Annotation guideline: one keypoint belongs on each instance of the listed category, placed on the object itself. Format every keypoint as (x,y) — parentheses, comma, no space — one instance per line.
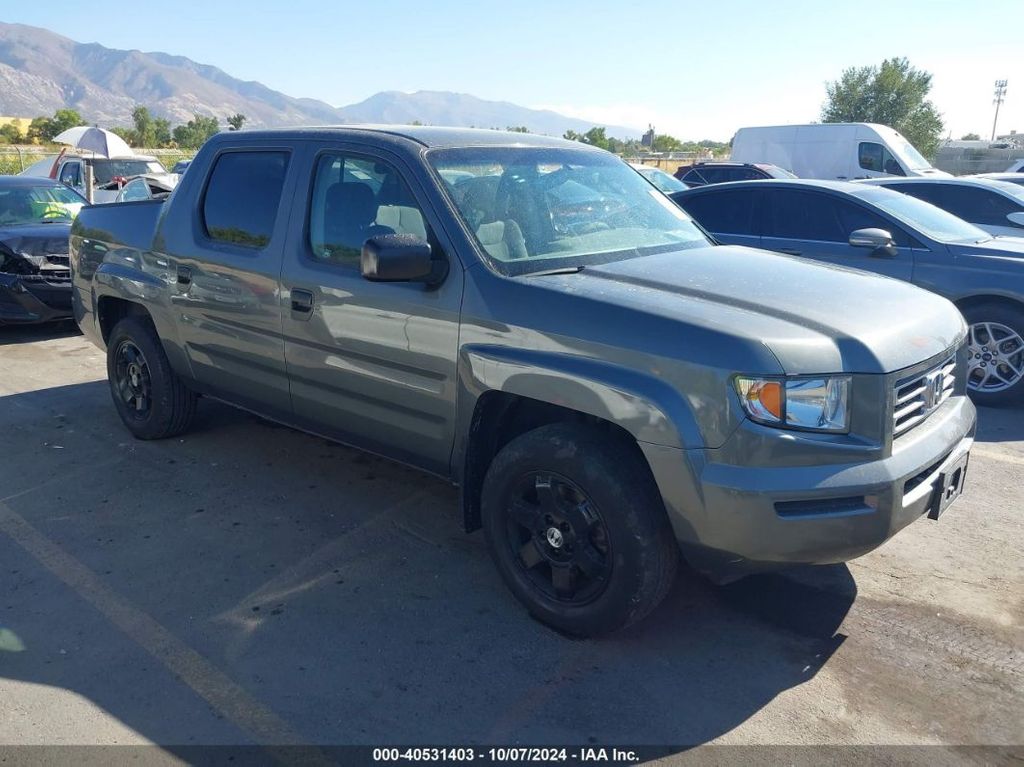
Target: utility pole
(1000,95)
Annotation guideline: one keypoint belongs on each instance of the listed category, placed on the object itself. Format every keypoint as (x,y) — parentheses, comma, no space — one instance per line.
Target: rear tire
(577,529)
(995,354)
(150,398)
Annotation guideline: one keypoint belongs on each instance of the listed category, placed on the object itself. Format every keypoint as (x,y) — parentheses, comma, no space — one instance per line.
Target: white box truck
(832,150)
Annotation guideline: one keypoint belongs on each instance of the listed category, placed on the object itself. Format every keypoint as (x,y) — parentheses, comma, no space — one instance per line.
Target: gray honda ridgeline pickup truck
(532,320)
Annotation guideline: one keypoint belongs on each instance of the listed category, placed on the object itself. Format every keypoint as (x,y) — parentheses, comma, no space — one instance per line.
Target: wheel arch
(966,303)
(508,392)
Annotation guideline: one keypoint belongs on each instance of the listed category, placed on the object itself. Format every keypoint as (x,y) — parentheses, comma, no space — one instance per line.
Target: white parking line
(208,682)
(996,455)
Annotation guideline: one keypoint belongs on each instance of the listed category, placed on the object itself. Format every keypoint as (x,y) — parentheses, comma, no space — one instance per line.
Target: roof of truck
(427,135)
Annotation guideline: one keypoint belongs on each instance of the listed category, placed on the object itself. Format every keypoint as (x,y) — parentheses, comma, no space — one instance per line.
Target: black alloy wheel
(558,538)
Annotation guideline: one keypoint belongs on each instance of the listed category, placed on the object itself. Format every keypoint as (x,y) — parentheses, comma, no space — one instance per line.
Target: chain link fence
(15,159)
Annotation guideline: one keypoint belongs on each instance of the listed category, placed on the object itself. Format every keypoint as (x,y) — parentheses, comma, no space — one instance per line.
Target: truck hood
(813,317)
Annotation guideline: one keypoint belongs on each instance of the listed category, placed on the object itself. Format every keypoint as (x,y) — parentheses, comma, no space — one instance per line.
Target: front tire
(578,529)
(150,398)
(995,354)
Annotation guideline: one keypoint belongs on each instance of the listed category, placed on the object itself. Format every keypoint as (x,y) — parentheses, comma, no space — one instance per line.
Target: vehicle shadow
(21,334)
(200,589)
(1004,424)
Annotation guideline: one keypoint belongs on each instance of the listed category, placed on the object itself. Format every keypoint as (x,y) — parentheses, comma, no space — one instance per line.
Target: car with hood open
(530,319)
(35,221)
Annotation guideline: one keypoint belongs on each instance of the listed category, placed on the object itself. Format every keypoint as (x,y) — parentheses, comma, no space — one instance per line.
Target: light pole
(1000,95)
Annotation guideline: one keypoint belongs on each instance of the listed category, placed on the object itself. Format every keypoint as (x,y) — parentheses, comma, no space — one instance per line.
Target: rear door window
(242,197)
(724,212)
(746,174)
(716,175)
(802,215)
(694,178)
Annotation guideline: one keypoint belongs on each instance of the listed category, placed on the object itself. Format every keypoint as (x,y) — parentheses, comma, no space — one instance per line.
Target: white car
(109,175)
(995,206)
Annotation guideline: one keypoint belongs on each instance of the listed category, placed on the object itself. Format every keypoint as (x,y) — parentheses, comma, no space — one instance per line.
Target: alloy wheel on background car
(995,357)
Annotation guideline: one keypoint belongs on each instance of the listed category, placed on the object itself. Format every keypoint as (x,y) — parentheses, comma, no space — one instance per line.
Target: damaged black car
(35,276)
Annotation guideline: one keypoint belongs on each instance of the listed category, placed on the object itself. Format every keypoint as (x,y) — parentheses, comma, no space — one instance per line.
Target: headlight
(814,404)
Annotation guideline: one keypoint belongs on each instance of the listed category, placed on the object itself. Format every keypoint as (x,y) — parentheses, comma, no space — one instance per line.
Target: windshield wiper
(559,270)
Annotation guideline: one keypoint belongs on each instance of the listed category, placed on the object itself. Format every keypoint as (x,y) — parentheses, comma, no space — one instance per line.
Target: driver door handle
(302,304)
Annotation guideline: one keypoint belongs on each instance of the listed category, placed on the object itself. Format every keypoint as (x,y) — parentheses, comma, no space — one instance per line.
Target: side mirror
(397,258)
(1017,217)
(879,241)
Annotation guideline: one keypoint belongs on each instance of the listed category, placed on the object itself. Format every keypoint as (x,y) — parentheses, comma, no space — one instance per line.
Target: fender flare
(647,407)
(120,281)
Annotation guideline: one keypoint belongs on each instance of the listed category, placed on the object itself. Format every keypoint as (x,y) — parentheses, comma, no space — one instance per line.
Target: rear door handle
(789,251)
(302,304)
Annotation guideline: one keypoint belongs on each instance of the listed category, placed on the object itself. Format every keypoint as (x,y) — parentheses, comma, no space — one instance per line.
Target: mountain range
(41,71)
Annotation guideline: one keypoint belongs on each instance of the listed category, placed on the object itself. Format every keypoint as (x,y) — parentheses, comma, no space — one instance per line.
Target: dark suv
(703,173)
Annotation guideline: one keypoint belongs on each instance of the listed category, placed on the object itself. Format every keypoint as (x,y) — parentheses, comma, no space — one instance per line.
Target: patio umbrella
(97,140)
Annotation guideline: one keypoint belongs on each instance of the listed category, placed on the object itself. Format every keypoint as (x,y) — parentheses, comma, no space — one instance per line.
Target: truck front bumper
(731,520)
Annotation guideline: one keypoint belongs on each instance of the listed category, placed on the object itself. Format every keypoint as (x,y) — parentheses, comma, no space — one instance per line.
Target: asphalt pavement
(249,584)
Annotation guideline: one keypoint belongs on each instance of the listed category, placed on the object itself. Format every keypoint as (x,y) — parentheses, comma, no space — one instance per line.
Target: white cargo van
(832,150)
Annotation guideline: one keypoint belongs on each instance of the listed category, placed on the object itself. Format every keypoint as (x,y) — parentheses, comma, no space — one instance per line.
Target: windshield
(662,180)
(925,217)
(535,209)
(105,171)
(38,204)
(911,156)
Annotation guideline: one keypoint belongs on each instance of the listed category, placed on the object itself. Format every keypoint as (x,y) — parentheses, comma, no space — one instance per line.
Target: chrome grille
(918,396)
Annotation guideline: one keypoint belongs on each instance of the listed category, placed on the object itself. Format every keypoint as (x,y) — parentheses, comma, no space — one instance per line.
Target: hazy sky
(696,70)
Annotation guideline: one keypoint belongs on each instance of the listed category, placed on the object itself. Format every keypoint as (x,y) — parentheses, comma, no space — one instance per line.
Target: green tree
(572,135)
(64,119)
(518,129)
(236,121)
(126,133)
(38,129)
(665,143)
(596,137)
(161,132)
(893,94)
(11,134)
(970,137)
(195,132)
(43,129)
